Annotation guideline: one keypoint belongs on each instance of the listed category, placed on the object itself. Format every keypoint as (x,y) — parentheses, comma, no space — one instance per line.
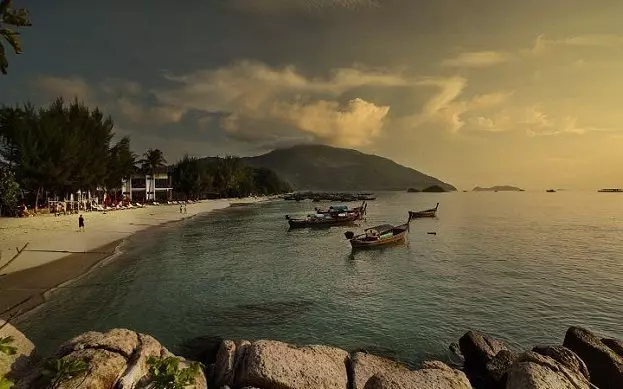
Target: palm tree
(11,17)
(152,160)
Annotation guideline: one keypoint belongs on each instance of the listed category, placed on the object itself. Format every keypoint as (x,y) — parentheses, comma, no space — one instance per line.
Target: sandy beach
(54,251)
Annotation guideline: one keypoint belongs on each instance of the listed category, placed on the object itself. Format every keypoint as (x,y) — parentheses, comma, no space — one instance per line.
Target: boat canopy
(381,229)
(339,207)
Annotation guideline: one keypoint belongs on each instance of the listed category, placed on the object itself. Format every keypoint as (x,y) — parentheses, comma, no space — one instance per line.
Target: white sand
(48,232)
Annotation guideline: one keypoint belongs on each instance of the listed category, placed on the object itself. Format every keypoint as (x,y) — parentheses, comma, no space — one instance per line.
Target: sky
(474,92)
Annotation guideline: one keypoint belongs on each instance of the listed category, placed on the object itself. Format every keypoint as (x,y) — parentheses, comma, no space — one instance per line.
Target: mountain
(498,188)
(317,167)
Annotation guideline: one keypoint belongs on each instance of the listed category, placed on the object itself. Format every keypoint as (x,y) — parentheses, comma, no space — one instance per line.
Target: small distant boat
(614,190)
(422,214)
(378,236)
(551,191)
(338,215)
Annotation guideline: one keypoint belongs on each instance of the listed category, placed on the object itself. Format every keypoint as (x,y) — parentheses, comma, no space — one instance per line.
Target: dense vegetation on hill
(317,167)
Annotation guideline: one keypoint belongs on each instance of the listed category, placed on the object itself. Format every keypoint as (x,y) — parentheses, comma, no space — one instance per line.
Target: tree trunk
(37,199)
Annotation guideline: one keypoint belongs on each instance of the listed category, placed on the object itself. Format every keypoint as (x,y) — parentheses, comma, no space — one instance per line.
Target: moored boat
(320,220)
(378,236)
(425,213)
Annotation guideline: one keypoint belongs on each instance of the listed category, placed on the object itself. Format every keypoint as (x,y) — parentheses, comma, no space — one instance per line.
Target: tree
(9,191)
(191,178)
(11,17)
(62,148)
(153,159)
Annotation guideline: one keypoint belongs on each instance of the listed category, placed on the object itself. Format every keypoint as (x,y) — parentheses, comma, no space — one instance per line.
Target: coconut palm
(15,18)
(153,159)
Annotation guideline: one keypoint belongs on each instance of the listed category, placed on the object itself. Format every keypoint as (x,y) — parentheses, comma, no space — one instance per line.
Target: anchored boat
(422,214)
(378,236)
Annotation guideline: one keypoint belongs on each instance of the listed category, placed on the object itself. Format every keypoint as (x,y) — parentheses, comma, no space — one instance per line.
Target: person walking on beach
(181,208)
(185,210)
(80,223)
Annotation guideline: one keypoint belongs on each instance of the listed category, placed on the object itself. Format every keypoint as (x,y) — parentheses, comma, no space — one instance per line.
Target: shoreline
(25,289)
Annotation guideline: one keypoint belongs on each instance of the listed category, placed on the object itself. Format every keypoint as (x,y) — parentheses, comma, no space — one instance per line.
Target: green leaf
(13,38)
(5,383)
(5,346)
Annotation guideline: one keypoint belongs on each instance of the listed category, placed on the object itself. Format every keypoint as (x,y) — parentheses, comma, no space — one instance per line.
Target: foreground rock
(566,357)
(479,351)
(364,366)
(13,366)
(435,375)
(115,359)
(604,365)
(535,371)
(275,365)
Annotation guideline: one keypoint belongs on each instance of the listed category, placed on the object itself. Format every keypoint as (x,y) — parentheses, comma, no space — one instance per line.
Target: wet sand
(24,290)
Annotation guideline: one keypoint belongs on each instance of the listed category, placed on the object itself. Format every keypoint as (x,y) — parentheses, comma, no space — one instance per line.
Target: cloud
(119,97)
(260,101)
(543,45)
(300,6)
(69,88)
(477,59)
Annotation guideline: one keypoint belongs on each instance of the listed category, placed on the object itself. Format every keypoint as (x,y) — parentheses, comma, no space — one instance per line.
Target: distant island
(325,168)
(498,188)
(434,189)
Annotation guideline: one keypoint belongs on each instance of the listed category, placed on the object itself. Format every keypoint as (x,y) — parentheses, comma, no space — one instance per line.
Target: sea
(520,266)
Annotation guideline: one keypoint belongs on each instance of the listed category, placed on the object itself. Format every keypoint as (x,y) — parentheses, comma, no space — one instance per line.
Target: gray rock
(497,368)
(104,368)
(536,371)
(478,350)
(615,345)
(117,340)
(439,377)
(228,360)
(16,365)
(604,365)
(276,365)
(565,356)
(365,366)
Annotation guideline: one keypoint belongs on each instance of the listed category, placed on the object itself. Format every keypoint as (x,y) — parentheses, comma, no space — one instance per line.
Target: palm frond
(16,17)
(13,38)
(4,64)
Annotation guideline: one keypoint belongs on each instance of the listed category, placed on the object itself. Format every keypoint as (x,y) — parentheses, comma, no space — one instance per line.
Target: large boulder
(478,350)
(18,363)
(566,357)
(497,368)
(604,365)
(535,371)
(229,359)
(436,376)
(615,345)
(114,359)
(364,366)
(275,365)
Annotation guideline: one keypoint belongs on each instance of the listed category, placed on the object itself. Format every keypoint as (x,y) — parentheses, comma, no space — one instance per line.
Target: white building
(140,187)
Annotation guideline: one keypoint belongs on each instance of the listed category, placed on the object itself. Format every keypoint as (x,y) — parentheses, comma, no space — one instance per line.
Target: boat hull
(422,214)
(359,242)
(303,223)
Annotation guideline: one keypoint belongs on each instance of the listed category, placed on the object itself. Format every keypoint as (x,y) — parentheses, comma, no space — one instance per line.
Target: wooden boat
(378,236)
(337,209)
(551,191)
(323,220)
(422,214)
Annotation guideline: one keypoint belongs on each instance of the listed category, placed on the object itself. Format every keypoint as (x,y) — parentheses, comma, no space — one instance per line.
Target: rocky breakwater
(123,359)
(583,361)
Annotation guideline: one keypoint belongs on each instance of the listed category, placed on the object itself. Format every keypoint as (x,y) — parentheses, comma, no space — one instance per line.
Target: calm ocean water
(520,266)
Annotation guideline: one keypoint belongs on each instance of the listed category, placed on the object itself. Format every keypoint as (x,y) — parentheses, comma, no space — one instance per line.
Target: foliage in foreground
(11,17)
(6,348)
(57,371)
(167,374)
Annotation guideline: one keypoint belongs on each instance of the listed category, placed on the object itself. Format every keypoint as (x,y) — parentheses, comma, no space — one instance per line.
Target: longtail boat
(378,236)
(336,209)
(320,220)
(421,214)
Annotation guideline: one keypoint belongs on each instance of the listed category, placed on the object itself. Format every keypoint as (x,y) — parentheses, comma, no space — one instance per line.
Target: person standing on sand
(181,207)
(80,223)
(185,210)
